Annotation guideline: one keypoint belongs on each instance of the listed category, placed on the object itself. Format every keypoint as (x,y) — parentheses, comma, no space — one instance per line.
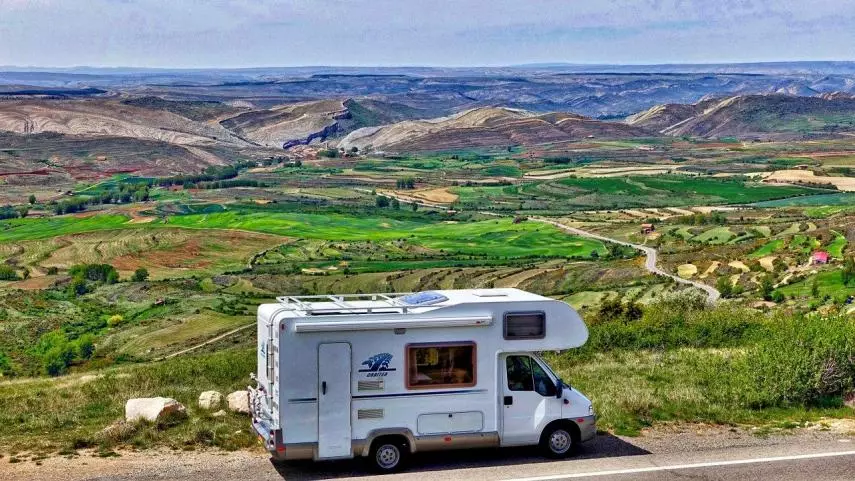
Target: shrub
(140,275)
(801,360)
(7,273)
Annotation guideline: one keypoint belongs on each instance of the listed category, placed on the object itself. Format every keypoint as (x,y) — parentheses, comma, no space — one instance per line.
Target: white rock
(152,408)
(239,402)
(210,400)
(219,414)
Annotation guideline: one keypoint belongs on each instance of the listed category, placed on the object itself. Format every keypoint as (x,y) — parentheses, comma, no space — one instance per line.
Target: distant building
(820,257)
(648,228)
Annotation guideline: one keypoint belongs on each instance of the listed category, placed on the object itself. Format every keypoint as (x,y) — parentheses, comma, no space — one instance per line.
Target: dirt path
(713,294)
(209,341)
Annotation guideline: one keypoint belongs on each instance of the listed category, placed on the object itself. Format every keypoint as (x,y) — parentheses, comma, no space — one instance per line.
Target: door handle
(324,388)
(509,400)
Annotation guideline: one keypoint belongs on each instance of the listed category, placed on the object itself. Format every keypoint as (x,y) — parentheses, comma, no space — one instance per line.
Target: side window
(525,325)
(519,373)
(441,365)
(542,383)
(525,374)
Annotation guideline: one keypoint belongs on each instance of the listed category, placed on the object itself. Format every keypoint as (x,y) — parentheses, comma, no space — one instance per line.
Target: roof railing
(344,303)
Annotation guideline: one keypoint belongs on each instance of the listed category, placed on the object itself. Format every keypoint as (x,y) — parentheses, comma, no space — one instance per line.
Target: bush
(7,273)
(680,320)
(140,275)
(802,360)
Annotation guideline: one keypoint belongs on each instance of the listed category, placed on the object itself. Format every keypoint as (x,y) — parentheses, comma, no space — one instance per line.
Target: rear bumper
(587,427)
(261,422)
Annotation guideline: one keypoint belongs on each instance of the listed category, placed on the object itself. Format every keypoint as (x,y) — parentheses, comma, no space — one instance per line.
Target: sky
(269,33)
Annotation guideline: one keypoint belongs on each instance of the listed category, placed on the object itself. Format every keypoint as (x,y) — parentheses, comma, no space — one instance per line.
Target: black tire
(388,454)
(558,441)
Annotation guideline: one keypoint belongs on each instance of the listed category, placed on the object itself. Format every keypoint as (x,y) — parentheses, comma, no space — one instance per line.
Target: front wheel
(388,455)
(557,442)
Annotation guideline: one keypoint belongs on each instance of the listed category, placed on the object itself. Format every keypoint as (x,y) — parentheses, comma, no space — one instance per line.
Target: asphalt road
(722,454)
(712,293)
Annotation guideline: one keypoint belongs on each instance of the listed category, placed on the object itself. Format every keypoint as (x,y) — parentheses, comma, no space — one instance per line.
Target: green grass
(49,415)
(768,248)
(716,235)
(496,238)
(42,228)
(828,282)
(500,238)
(835,248)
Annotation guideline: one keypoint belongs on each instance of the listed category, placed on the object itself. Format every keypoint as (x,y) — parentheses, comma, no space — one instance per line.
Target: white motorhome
(387,375)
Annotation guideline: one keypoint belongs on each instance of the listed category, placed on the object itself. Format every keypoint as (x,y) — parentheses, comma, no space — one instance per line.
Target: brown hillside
(484,127)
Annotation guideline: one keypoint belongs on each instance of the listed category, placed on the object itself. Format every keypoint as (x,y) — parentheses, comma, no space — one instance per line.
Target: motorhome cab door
(334,401)
(529,399)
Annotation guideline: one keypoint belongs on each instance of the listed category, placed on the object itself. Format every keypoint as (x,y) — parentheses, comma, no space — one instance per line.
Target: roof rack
(346,303)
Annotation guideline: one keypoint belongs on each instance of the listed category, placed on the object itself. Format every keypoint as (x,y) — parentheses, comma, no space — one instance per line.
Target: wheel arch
(567,424)
(403,433)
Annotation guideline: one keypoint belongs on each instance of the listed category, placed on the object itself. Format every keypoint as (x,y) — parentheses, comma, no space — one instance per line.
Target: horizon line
(428,66)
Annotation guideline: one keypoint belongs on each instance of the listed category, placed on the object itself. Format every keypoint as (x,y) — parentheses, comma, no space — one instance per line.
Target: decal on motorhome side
(378,365)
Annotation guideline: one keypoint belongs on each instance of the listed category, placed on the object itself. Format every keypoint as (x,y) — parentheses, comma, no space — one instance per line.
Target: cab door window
(525,374)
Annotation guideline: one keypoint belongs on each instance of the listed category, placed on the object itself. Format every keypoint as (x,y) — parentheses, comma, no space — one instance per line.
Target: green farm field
(625,192)
(498,238)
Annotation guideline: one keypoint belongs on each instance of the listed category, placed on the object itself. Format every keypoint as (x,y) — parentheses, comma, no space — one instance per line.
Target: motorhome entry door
(334,366)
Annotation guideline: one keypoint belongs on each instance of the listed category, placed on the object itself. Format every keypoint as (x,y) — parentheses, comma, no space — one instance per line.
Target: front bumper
(587,427)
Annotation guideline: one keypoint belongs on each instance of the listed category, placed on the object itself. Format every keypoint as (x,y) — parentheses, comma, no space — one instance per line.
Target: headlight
(590,410)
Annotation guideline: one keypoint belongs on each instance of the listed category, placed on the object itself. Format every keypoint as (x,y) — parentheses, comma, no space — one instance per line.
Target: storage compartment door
(334,437)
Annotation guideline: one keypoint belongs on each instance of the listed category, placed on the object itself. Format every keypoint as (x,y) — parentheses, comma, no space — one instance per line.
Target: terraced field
(165,253)
(638,191)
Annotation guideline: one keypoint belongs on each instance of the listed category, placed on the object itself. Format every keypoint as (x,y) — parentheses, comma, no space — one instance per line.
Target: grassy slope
(497,238)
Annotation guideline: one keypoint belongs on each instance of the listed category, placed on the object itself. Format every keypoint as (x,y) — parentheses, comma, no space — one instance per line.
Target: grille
(372,385)
(369,414)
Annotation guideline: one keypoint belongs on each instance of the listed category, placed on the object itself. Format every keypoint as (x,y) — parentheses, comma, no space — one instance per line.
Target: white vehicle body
(440,369)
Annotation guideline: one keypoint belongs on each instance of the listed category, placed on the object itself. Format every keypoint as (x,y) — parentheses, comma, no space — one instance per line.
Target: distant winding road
(713,294)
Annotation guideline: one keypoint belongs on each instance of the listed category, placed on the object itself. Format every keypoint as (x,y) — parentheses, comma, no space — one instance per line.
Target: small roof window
(423,298)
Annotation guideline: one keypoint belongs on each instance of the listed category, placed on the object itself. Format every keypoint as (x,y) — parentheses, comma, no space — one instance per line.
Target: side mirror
(559,389)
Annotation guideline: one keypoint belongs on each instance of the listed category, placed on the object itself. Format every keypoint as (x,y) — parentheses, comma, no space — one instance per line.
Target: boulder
(152,409)
(210,400)
(849,400)
(239,402)
(219,414)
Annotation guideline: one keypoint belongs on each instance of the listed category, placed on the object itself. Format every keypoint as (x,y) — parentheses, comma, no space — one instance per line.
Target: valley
(699,227)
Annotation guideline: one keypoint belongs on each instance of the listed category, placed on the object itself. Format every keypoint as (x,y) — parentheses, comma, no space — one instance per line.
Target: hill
(779,116)
(109,118)
(485,127)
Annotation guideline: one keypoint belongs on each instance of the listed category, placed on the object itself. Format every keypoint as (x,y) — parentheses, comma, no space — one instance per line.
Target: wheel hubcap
(388,456)
(559,441)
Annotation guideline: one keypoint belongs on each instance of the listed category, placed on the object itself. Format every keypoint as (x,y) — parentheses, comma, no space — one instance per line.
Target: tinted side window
(525,325)
(542,384)
(519,373)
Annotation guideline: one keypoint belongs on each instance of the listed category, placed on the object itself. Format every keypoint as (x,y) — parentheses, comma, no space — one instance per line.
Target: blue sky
(249,33)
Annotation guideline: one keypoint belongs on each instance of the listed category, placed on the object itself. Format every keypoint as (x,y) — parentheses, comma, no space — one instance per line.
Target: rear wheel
(557,441)
(388,454)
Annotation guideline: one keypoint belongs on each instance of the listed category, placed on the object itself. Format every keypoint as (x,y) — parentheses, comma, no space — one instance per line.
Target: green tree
(140,275)
(415,206)
(396,204)
(381,201)
(848,270)
(724,286)
(766,287)
(32,199)
(814,288)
